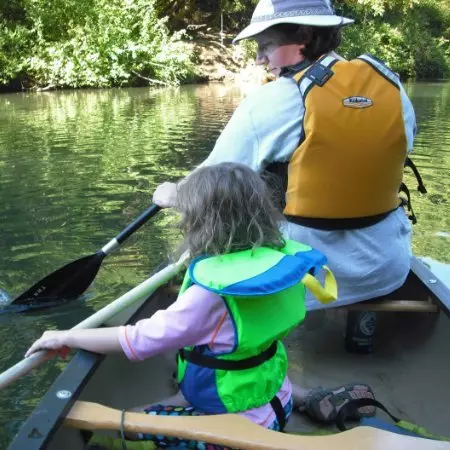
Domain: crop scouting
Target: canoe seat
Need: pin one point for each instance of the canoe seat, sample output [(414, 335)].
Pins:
[(413, 296), (386, 305)]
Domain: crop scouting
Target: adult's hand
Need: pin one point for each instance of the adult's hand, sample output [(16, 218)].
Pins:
[(165, 195)]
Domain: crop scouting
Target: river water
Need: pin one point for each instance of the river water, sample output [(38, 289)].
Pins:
[(76, 167)]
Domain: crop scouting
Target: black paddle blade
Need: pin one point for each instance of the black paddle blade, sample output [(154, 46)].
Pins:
[(69, 281)]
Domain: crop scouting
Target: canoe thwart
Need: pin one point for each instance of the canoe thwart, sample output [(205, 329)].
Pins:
[(420, 306)]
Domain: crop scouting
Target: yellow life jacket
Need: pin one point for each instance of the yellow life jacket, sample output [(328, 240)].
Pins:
[(348, 167)]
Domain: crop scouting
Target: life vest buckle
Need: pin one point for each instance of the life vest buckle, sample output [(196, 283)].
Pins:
[(319, 74)]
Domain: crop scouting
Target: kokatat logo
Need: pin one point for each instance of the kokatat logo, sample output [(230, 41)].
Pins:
[(357, 102)]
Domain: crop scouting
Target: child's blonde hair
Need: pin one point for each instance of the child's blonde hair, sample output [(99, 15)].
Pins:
[(225, 208)]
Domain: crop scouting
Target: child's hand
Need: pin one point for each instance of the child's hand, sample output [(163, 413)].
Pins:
[(51, 340)]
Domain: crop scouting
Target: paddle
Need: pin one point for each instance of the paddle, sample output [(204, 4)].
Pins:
[(140, 292), (234, 431), (74, 278)]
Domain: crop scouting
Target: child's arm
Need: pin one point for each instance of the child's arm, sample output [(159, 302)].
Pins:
[(191, 320), (98, 340)]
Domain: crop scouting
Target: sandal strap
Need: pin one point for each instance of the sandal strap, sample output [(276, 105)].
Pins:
[(338, 392), (353, 405)]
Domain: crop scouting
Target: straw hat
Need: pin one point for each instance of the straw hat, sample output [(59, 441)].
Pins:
[(267, 13)]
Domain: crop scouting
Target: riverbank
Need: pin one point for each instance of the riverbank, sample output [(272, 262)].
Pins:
[(57, 45), (219, 60), (216, 60)]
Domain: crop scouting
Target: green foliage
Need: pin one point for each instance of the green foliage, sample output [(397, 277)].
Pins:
[(411, 36), (95, 43), (13, 42), (236, 13), (103, 43)]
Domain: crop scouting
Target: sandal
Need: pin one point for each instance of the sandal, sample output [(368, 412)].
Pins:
[(325, 404)]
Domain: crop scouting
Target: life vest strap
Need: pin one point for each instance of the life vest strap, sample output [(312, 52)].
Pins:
[(325, 294), (381, 68), (316, 75), (421, 187), (407, 203), (352, 223), (403, 188), (211, 362), (278, 409)]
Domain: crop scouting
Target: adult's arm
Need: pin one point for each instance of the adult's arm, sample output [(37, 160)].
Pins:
[(265, 127)]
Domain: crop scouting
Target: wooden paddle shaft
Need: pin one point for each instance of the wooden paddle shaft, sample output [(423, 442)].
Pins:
[(139, 292), (232, 430)]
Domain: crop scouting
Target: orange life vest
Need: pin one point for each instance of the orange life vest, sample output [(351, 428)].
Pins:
[(349, 163)]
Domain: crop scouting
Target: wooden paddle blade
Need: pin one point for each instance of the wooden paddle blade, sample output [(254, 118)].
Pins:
[(67, 282), (232, 430)]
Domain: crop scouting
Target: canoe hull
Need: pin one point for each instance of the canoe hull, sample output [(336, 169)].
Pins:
[(408, 371)]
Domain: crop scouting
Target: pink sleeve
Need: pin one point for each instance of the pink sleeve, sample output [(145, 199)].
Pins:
[(191, 320)]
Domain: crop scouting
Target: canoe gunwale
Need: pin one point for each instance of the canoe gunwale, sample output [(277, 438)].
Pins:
[(37, 431), (47, 417), (439, 291)]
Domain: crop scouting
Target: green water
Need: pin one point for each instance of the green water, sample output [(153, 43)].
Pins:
[(77, 167)]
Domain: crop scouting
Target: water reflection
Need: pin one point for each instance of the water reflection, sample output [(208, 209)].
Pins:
[(77, 167), (432, 156)]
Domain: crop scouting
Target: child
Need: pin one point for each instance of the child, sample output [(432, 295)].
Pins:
[(241, 296)]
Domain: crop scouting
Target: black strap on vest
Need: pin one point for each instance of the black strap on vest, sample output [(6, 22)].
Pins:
[(278, 409), (420, 186), (338, 224), (290, 71), (199, 359), (406, 203), (211, 362), (403, 188)]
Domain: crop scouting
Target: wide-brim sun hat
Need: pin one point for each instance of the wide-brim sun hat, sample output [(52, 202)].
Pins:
[(318, 13)]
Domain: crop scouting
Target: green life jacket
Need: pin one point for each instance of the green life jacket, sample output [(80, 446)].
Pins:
[(264, 295)]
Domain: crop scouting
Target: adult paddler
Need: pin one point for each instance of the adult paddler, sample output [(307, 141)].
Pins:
[(341, 131)]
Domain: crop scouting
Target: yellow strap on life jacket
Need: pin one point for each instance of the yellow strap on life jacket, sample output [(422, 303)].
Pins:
[(325, 294)]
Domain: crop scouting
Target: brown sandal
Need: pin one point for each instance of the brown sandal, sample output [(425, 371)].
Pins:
[(325, 404)]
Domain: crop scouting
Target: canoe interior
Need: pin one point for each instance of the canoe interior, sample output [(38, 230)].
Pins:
[(408, 371)]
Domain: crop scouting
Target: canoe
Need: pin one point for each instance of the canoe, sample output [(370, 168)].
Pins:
[(408, 371)]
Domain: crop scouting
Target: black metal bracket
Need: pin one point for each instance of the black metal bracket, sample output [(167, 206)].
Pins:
[(319, 74)]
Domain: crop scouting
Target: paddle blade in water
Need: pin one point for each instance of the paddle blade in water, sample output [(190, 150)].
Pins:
[(67, 282)]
